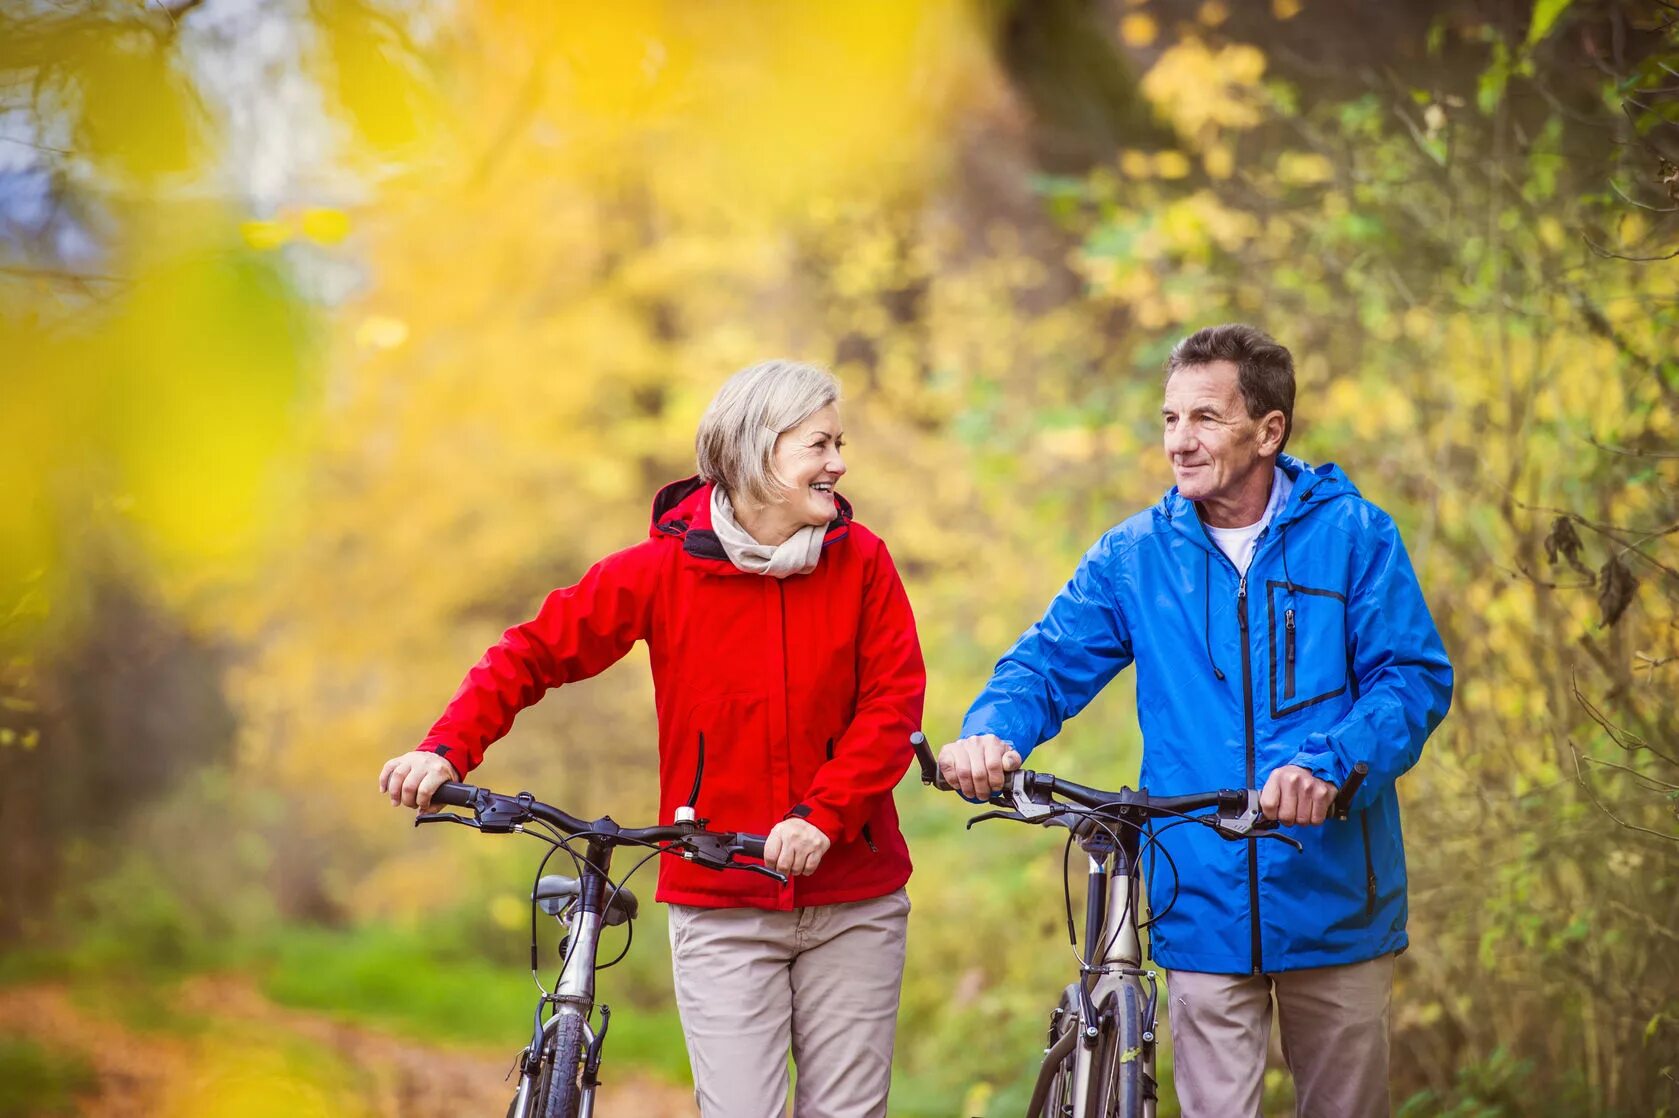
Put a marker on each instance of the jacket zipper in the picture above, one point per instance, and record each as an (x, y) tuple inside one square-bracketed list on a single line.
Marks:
[(1369, 865), (1247, 711), (868, 836), (1247, 723), (1288, 671)]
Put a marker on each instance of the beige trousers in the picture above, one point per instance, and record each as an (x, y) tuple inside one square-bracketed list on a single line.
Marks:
[(1334, 1036), (823, 980)]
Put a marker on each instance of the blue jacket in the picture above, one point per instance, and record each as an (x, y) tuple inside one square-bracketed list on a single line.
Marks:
[(1323, 656)]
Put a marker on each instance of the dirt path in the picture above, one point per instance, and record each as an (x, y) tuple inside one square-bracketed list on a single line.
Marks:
[(141, 1074)]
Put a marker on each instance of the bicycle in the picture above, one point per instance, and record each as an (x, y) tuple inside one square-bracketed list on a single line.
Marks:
[(559, 1069), (1099, 1060)]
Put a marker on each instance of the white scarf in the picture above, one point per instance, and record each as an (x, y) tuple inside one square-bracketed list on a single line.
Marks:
[(797, 556)]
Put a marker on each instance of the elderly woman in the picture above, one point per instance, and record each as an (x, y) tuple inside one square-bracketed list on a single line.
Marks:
[(779, 630)]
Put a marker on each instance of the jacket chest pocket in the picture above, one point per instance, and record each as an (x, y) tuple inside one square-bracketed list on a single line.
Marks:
[(1307, 645)]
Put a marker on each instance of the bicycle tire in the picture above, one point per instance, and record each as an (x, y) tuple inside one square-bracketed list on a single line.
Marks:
[(565, 1068), (1117, 1075), (1119, 1072)]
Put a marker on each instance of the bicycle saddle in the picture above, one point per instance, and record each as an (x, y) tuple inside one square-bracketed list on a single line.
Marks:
[(554, 890)]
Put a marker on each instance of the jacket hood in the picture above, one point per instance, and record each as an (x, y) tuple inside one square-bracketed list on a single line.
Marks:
[(1314, 486), (682, 509)]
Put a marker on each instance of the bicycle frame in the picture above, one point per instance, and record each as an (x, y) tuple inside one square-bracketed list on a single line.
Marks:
[(567, 1034), (1113, 958), (574, 993), (1108, 828)]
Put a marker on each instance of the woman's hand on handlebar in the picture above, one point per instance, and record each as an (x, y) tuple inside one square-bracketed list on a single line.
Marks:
[(794, 846), (978, 766), (409, 780)]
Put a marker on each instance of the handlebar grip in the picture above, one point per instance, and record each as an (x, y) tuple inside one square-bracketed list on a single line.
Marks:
[(930, 773), (454, 795), (750, 845), (1344, 798)]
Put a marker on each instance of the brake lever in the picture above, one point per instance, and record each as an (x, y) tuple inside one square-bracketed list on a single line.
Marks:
[(1012, 816), (1249, 820), (709, 851), (1262, 829), (1021, 793), (445, 817), (753, 867)]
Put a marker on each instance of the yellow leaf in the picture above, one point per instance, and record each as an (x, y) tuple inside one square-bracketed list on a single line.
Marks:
[(1285, 9), (1419, 323), (1300, 168), (264, 236), (1551, 232), (1135, 164), (1171, 164), (1219, 161), (1213, 13), (1138, 29), (1196, 88), (325, 226)]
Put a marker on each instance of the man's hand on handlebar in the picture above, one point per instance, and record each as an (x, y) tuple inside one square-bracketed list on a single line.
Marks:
[(409, 780), (978, 766), (1295, 797)]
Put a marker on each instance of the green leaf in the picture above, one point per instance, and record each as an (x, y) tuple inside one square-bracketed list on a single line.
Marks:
[(1489, 90), (1545, 13), (1436, 37)]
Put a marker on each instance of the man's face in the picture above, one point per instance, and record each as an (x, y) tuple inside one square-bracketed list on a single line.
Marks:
[(1213, 444)]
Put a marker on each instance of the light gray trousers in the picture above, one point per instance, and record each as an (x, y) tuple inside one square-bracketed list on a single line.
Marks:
[(1334, 1024), (823, 980)]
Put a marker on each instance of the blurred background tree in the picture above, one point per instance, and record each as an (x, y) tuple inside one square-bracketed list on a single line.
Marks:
[(337, 333)]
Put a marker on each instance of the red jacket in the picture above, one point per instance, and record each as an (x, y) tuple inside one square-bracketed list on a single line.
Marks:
[(806, 689)]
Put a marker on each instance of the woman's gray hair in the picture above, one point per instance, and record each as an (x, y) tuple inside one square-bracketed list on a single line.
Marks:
[(735, 444)]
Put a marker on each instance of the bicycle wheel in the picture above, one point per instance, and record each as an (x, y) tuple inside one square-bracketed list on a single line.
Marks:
[(565, 1067), (1119, 1070)]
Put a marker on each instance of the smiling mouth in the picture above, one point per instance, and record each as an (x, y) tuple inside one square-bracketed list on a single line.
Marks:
[(826, 488)]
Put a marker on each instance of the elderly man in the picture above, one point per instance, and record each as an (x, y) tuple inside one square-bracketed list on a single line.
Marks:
[(1280, 638)]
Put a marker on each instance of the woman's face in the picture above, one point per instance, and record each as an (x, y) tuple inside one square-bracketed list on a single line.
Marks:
[(808, 459)]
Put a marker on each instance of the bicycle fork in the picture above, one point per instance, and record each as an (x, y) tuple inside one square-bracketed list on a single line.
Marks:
[(573, 996), (1113, 959)]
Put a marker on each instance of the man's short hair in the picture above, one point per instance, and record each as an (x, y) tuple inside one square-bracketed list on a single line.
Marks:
[(736, 439), (1265, 368)]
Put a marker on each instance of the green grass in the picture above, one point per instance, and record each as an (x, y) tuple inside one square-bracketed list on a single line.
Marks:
[(403, 981), (418, 983), (38, 1081)]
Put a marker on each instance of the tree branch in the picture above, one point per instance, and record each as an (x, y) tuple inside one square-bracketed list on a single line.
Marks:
[(1585, 786), (1609, 254), (1616, 734)]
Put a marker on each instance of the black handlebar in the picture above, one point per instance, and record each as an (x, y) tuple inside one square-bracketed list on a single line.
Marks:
[(930, 773), (497, 813), (1226, 800), (750, 845), (455, 795), (1344, 798)]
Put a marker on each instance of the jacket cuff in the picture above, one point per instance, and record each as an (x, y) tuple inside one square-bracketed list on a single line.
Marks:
[(1322, 764), (822, 818), (973, 727), (454, 754)]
